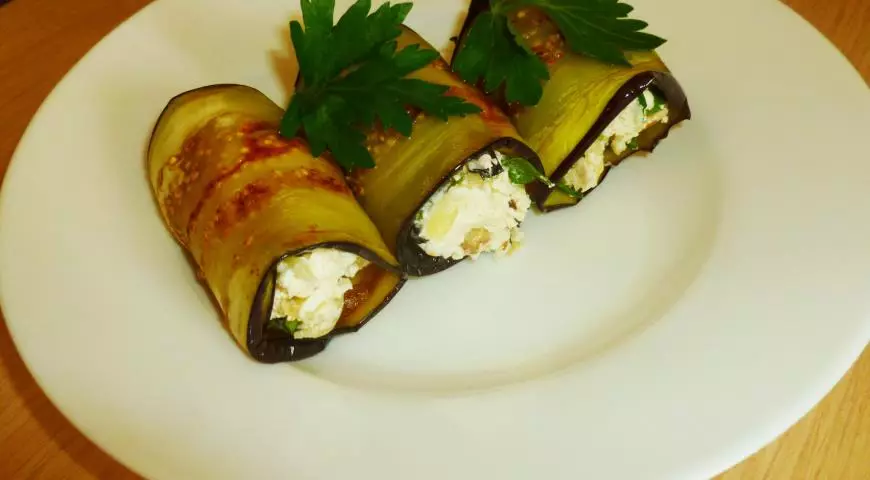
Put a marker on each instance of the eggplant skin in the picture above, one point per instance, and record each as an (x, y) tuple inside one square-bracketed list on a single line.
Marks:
[(266, 347), (240, 199), (580, 99), (410, 170), (414, 260), (679, 111)]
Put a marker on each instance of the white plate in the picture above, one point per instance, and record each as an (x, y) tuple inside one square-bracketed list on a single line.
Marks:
[(690, 310)]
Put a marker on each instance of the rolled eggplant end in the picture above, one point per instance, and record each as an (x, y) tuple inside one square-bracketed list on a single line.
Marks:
[(438, 235), (584, 170), (381, 280)]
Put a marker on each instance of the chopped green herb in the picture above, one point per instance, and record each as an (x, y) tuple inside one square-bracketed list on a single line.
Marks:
[(494, 53), (632, 144), (642, 99), (354, 75), (279, 323), (293, 325), (522, 172), (568, 190), (284, 325), (658, 105)]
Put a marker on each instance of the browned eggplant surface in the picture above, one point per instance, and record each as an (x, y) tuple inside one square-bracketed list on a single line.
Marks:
[(249, 207), (410, 172)]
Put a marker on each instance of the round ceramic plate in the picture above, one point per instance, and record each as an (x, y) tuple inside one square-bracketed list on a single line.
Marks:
[(690, 310)]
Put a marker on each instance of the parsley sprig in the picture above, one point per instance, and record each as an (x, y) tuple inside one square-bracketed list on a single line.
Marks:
[(353, 75), (494, 53), (491, 52)]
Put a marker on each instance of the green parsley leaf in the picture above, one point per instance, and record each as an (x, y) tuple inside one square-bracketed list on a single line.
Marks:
[(568, 190), (642, 99), (324, 50), (522, 172), (353, 76), (284, 325), (492, 52), (597, 28), (632, 144), (329, 126), (658, 105), (293, 325)]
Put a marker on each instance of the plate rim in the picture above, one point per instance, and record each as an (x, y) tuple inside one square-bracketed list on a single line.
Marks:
[(798, 408)]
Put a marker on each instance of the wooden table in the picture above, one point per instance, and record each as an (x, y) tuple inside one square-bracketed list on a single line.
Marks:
[(41, 39)]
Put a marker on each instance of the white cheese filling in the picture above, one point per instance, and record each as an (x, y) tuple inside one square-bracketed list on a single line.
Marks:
[(476, 212), (619, 136), (310, 288)]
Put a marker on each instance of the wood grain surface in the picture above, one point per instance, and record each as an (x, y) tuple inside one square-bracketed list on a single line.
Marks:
[(41, 39)]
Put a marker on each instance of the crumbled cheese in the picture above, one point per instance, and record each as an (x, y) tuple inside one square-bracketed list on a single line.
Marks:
[(474, 213), (484, 162), (634, 119), (310, 289)]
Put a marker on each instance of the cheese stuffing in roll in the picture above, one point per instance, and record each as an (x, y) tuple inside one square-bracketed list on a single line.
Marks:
[(619, 136), (478, 211), (310, 290)]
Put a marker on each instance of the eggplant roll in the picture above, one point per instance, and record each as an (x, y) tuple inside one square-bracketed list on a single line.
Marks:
[(442, 195), (592, 115), (286, 250)]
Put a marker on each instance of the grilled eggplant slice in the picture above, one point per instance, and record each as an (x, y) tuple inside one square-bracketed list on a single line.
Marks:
[(247, 205), (413, 193), (584, 101)]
